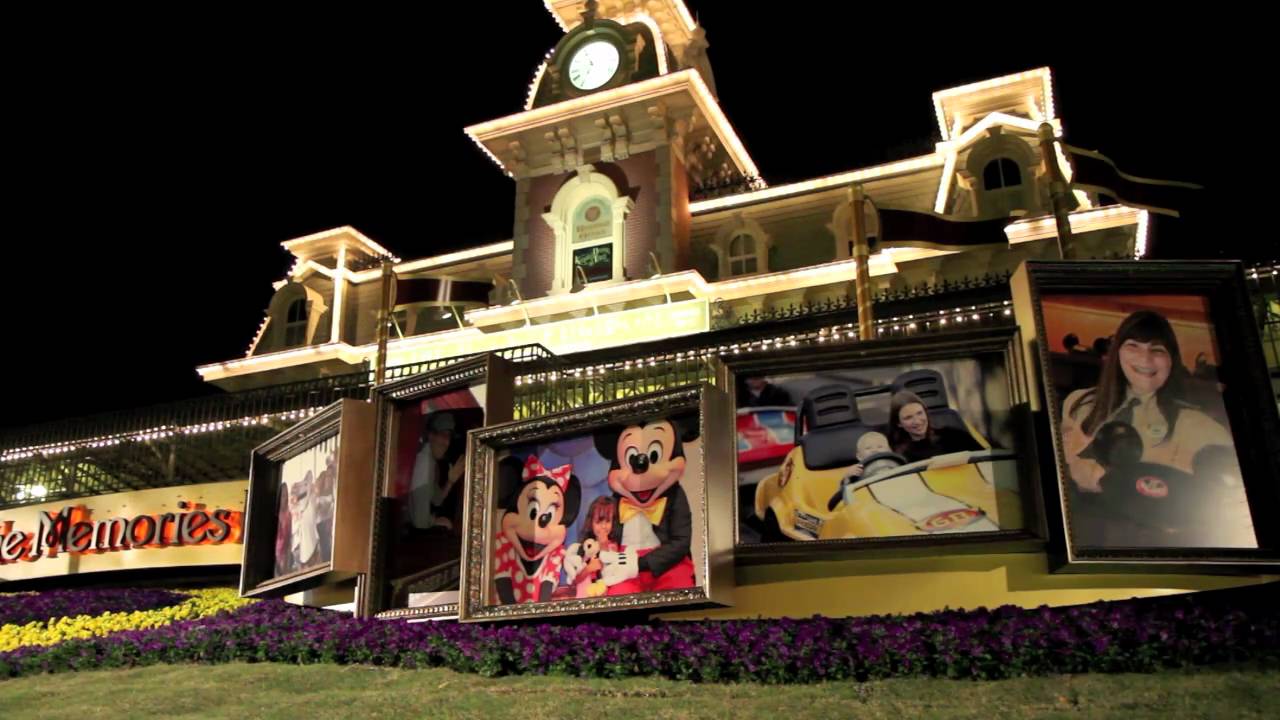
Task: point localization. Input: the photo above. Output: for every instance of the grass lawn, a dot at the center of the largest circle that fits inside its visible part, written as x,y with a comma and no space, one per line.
334,691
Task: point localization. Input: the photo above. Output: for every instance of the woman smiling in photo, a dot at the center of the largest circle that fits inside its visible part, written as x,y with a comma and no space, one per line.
1143,384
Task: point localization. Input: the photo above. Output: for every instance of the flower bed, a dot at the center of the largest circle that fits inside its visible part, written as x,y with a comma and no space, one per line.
192,605
1132,636
23,608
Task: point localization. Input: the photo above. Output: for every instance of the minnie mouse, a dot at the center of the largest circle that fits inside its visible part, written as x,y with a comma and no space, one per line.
653,523
539,505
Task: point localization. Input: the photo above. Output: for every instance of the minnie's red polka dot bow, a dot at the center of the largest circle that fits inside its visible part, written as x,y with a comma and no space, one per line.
533,468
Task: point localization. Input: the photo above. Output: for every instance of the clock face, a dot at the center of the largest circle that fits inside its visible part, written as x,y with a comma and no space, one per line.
593,64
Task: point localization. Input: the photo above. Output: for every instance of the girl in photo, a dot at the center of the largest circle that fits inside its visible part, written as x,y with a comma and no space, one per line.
1149,466
912,435
594,539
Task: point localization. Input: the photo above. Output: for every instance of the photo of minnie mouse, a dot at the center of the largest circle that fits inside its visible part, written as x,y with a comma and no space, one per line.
637,533
529,547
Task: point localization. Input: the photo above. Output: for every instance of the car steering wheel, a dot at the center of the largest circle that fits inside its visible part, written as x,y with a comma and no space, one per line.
897,459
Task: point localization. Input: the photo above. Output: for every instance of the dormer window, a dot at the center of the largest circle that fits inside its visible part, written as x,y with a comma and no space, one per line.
295,317
1001,173
742,254
998,176
742,247
295,328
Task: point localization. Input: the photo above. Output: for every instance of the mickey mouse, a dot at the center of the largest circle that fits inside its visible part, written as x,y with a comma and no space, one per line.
539,505
1144,503
653,523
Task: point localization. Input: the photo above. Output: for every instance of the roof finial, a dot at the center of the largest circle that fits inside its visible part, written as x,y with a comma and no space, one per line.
589,12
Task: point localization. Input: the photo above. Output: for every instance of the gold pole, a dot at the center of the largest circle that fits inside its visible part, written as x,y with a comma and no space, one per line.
384,321
861,254
1057,188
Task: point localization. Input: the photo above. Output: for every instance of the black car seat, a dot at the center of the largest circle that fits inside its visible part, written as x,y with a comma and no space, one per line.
828,427
928,386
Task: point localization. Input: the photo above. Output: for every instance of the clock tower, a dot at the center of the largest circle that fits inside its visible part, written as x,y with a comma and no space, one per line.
620,122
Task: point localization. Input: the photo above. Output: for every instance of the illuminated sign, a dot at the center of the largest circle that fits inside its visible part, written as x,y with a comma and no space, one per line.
169,527
73,530
685,317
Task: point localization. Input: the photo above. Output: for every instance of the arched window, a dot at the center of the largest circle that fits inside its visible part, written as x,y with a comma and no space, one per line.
588,216
295,327
743,257
1001,173
841,227
593,245
742,247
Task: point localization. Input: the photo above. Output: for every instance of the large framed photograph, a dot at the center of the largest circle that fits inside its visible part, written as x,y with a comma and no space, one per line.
620,506
309,504
887,444
1164,434
423,421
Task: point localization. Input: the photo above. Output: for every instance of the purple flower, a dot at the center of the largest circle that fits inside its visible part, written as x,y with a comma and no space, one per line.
22,608
1138,635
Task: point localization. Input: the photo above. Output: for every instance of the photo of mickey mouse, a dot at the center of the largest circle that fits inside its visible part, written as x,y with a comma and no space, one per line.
611,510
653,525
538,505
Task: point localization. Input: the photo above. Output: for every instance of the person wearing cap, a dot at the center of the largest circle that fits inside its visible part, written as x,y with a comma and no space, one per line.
432,496
757,391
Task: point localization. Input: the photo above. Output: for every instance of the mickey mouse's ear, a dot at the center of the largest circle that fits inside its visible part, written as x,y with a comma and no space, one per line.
606,441
687,429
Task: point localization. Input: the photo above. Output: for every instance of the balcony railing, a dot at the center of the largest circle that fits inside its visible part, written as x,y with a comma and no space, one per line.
205,439
209,439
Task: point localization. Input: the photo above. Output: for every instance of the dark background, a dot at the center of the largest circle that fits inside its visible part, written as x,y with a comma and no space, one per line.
155,162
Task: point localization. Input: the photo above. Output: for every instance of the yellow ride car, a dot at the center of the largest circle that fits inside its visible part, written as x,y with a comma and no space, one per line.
814,495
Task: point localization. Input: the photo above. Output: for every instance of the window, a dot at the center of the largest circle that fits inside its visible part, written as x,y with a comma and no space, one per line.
432,318
593,264
295,326
1001,173
871,245
588,216
593,241
399,326
742,254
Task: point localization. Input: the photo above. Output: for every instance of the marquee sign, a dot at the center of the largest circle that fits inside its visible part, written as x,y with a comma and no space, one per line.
168,527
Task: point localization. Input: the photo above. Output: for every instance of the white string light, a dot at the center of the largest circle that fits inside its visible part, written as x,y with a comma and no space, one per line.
913,323
909,324
155,433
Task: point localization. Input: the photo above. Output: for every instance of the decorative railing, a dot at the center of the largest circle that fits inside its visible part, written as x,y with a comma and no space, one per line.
205,439
209,439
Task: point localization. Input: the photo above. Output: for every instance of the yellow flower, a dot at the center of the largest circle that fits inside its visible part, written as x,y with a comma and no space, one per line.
199,604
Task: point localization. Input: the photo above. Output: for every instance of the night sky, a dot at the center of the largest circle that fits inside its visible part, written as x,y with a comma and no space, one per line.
155,164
